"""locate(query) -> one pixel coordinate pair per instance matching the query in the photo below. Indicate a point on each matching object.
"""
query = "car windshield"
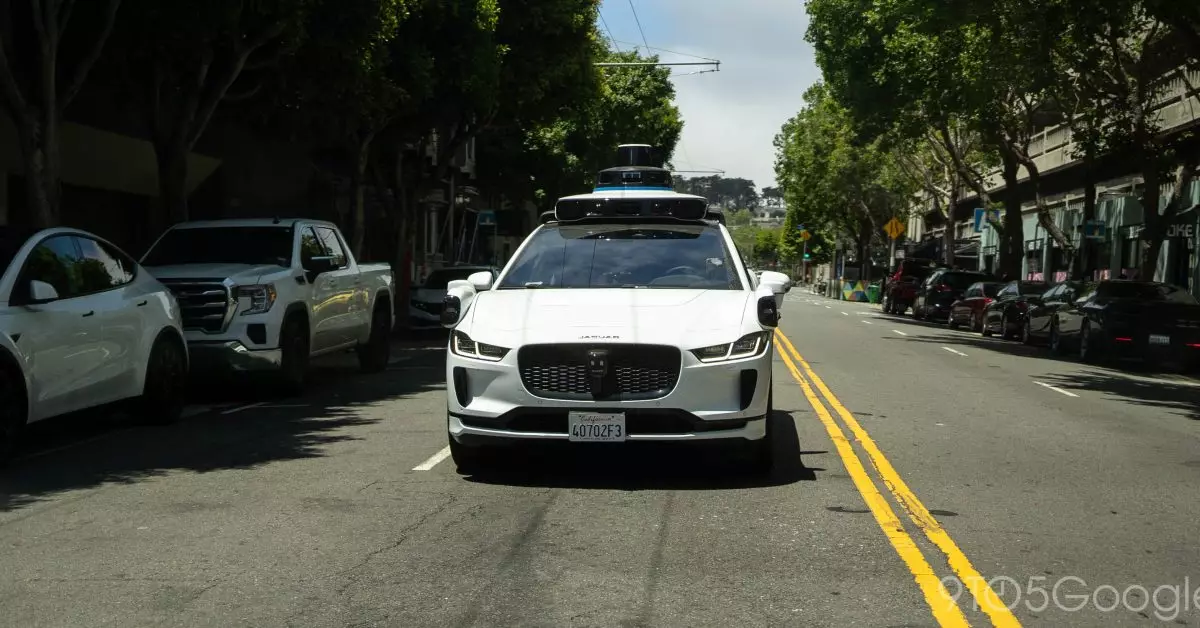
(625, 256)
(438, 279)
(1144, 291)
(1032, 287)
(960, 281)
(990, 290)
(223, 245)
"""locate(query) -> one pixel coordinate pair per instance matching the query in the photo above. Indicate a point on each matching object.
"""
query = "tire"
(973, 322)
(468, 458)
(1027, 333)
(165, 388)
(952, 322)
(1089, 347)
(1005, 328)
(985, 329)
(374, 356)
(294, 344)
(14, 411)
(762, 451)
(1057, 345)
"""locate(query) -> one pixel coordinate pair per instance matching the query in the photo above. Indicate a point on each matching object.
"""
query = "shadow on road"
(284, 429)
(1176, 397)
(649, 466)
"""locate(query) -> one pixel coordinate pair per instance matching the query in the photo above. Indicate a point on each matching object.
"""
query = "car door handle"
(93, 312)
(141, 303)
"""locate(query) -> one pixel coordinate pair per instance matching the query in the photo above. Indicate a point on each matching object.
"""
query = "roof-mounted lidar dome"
(639, 167)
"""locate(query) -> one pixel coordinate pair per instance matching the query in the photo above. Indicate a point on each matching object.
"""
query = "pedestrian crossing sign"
(894, 228)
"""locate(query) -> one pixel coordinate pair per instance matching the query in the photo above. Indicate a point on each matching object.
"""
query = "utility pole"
(633, 64)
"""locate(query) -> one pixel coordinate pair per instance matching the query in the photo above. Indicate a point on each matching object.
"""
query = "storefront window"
(1033, 260)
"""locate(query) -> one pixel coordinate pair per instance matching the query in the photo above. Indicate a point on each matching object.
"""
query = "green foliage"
(722, 191)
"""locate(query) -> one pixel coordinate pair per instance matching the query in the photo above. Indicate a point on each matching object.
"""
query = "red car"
(969, 309)
(902, 286)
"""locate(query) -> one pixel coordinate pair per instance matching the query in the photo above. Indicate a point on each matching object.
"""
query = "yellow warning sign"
(805, 235)
(894, 228)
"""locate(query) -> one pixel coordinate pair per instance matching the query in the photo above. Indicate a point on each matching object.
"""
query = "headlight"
(261, 298)
(463, 345)
(744, 347)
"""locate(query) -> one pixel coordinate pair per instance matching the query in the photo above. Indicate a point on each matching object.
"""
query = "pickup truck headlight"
(261, 298)
(744, 347)
(464, 346)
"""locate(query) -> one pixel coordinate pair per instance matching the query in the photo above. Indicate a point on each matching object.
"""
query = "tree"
(772, 196)
(831, 183)
(37, 84)
(180, 60)
(1119, 54)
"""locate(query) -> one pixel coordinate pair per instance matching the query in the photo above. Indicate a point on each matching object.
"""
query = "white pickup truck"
(270, 294)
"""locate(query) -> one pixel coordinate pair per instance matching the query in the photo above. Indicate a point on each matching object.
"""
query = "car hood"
(238, 272)
(659, 316)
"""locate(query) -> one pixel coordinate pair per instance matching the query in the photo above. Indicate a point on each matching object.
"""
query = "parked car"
(941, 289)
(83, 326)
(969, 309)
(1134, 319)
(425, 305)
(900, 291)
(1006, 314)
(1043, 313)
(269, 295)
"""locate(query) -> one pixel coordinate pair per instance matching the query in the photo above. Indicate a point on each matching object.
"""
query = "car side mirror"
(481, 280)
(779, 282)
(768, 311)
(41, 292)
(315, 266)
(451, 310)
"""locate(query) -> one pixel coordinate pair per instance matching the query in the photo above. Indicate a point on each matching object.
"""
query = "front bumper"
(487, 400)
(232, 355)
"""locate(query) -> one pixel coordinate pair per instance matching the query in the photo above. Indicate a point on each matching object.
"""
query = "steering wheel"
(683, 270)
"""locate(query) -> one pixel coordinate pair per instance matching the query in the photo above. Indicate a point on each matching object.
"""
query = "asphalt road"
(903, 465)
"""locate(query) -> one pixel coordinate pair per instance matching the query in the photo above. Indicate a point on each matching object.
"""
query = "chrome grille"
(205, 304)
(635, 371)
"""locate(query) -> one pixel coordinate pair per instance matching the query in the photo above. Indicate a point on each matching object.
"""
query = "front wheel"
(374, 356)
(294, 344)
(165, 387)
(1027, 333)
(952, 322)
(762, 451)
(13, 411)
(973, 322)
(1057, 344)
(468, 458)
(1089, 345)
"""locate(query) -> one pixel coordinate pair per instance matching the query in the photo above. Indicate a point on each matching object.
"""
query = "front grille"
(635, 372)
(204, 303)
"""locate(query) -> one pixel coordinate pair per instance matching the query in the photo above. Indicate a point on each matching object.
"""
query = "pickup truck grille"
(205, 303)
(635, 372)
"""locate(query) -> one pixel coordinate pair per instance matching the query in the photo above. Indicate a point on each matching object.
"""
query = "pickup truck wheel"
(293, 341)
(163, 392)
(374, 356)
(13, 412)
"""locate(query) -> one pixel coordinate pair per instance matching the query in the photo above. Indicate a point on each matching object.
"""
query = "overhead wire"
(638, 21)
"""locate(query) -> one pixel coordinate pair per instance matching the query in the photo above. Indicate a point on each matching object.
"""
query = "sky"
(730, 117)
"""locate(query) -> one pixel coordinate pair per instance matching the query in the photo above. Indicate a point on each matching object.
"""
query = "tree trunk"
(1012, 243)
(1084, 266)
(41, 183)
(358, 212)
(1155, 224)
(172, 185)
(948, 237)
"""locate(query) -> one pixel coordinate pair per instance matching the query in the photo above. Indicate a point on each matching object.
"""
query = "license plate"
(1159, 340)
(596, 427)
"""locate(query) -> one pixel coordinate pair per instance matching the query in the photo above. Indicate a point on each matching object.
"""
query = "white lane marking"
(955, 351)
(245, 407)
(434, 460)
(897, 331)
(1056, 389)
(829, 307)
(845, 313)
(868, 323)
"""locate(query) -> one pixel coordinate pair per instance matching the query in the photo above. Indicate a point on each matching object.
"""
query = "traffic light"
(807, 255)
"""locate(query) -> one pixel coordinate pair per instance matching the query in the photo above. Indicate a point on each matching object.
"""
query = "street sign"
(894, 228)
(1094, 229)
(899, 253)
(983, 217)
(805, 235)
(487, 218)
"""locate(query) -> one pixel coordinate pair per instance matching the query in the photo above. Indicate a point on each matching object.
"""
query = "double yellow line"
(941, 602)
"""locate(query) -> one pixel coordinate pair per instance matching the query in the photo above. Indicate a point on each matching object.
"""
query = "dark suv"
(941, 289)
